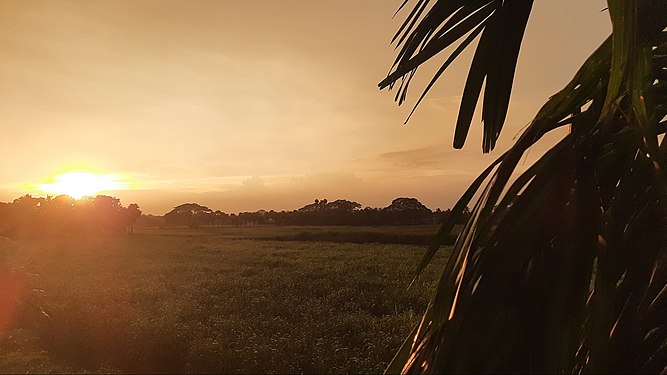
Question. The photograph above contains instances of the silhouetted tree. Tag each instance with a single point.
(406, 204)
(63, 215)
(55, 216)
(342, 205)
(191, 214)
(220, 218)
(150, 220)
(402, 211)
(408, 211)
(132, 213)
(108, 214)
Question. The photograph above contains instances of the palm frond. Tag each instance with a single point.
(559, 270)
(425, 34)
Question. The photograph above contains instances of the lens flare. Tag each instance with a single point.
(78, 184)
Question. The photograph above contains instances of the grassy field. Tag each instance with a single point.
(235, 300)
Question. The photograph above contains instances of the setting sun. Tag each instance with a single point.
(78, 184)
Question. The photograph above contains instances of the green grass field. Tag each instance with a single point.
(218, 300)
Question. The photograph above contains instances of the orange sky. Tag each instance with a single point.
(242, 105)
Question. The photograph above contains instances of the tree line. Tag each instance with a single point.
(401, 211)
(30, 216)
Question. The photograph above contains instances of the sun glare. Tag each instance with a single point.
(78, 184)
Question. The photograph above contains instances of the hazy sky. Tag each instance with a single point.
(249, 104)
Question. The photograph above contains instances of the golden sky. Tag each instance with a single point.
(249, 104)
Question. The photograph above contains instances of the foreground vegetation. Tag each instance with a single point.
(558, 268)
(216, 300)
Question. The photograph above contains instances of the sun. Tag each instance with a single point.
(78, 184)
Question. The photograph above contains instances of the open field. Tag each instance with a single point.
(218, 300)
(412, 235)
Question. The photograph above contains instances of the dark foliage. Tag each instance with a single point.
(62, 215)
(560, 270)
(402, 211)
(190, 214)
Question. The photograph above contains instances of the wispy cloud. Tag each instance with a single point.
(418, 157)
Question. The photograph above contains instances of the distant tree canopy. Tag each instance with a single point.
(190, 214)
(132, 214)
(340, 205)
(402, 211)
(64, 215)
(406, 204)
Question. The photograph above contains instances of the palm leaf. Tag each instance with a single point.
(501, 24)
(560, 270)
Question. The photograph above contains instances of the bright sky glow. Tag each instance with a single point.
(253, 104)
(78, 184)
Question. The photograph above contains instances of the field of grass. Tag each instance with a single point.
(218, 300)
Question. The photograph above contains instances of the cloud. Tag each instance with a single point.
(418, 157)
(327, 181)
(444, 104)
(253, 184)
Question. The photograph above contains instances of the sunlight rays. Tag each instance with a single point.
(78, 184)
